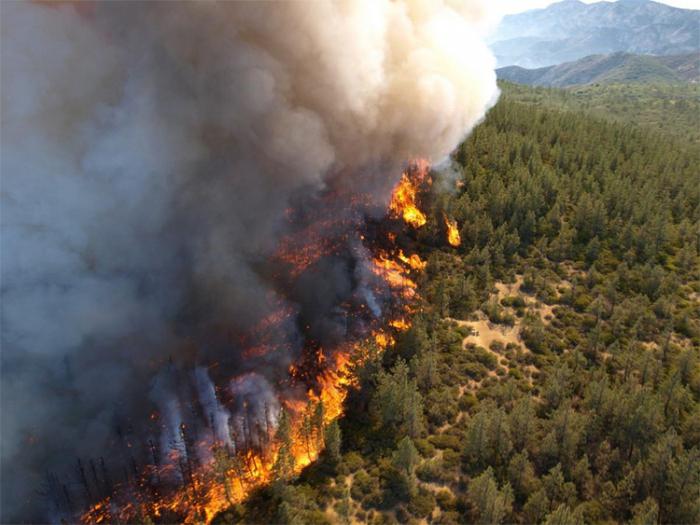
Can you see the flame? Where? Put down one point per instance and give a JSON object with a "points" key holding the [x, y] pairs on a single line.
{"points": [[334, 383], [403, 199], [400, 324], [414, 261], [383, 339], [453, 237], [394, 275], [230, 475]]}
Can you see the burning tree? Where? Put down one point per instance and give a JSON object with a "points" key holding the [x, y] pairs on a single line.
{"points": [[203, 468]]}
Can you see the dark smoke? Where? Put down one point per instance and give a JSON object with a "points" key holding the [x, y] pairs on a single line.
{"points": [[151, 153]]}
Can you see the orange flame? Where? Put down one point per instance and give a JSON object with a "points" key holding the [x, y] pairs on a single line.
{"points": [[383, 339], [453, 237], [403, 199], [414, 261], [394, 275], [400, 324]]}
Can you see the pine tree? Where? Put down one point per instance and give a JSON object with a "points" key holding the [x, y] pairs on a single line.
{"points": [[406, 457], [284, 465], [646, 513], [563, 515], [317, 424], [223, 467], [397, 405], [489, 504], [333, 440]]}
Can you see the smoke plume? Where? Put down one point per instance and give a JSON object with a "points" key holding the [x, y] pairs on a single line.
{"points": [[151, 156]]}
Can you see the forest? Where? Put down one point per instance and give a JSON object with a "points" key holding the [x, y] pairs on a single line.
{"points": [[551, 372], [668, 108]]}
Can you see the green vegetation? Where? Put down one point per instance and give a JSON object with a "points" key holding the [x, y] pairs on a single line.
{"points": [[669, 109], [552, 375], [614, 68]]}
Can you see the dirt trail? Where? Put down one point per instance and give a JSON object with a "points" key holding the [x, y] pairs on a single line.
{"points": [[487, 333]]}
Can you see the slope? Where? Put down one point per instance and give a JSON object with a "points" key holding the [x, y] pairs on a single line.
{"points": [[669, 109], [613, 68], [570, 30], [578, 400]]}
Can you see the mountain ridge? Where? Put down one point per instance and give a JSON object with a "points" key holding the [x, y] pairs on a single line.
{"points": [[617, 67], [569, 30]]}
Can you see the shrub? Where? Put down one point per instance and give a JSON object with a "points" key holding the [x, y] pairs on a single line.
{"points": [[446, 441], [582, 301], [485, 358], [448, 518], [467, 402], [464, 330], [402, 514], [514, 372], [497, 346], [361, 485], [422, 504], [497, 314], [425, 447], [441, 406], [446, 500], [350, 463], [450, 458], [515, 301], [337, 491], [430, 471], [475, 370]]}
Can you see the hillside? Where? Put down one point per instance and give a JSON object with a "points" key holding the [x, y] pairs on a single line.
{"points": [[671, 109], [551, 372], [570, 30], [685, 66], [608, 69]]}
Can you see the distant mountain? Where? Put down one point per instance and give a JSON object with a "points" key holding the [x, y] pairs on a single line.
{"points": [[608, 69], [570, 30]]}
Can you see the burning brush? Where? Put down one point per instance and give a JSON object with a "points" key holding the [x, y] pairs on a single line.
{"points": [[199, 470]]}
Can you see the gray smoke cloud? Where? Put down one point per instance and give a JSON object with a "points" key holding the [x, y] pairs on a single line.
{"points": [[150, 153]]}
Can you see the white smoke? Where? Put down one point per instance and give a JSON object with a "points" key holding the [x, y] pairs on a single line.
{"points": [[218, 415], [257, 406], [149, 151]]}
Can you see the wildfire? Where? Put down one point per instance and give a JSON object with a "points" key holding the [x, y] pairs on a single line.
{"points": [[453, 237], [229, 478], [231, 473], [404, 197]]}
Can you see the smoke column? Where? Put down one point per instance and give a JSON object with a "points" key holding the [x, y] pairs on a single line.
{"points": [[150, 152]]}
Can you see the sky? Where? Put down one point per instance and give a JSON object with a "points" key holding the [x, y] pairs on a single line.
{"points": [[517, 6]]}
